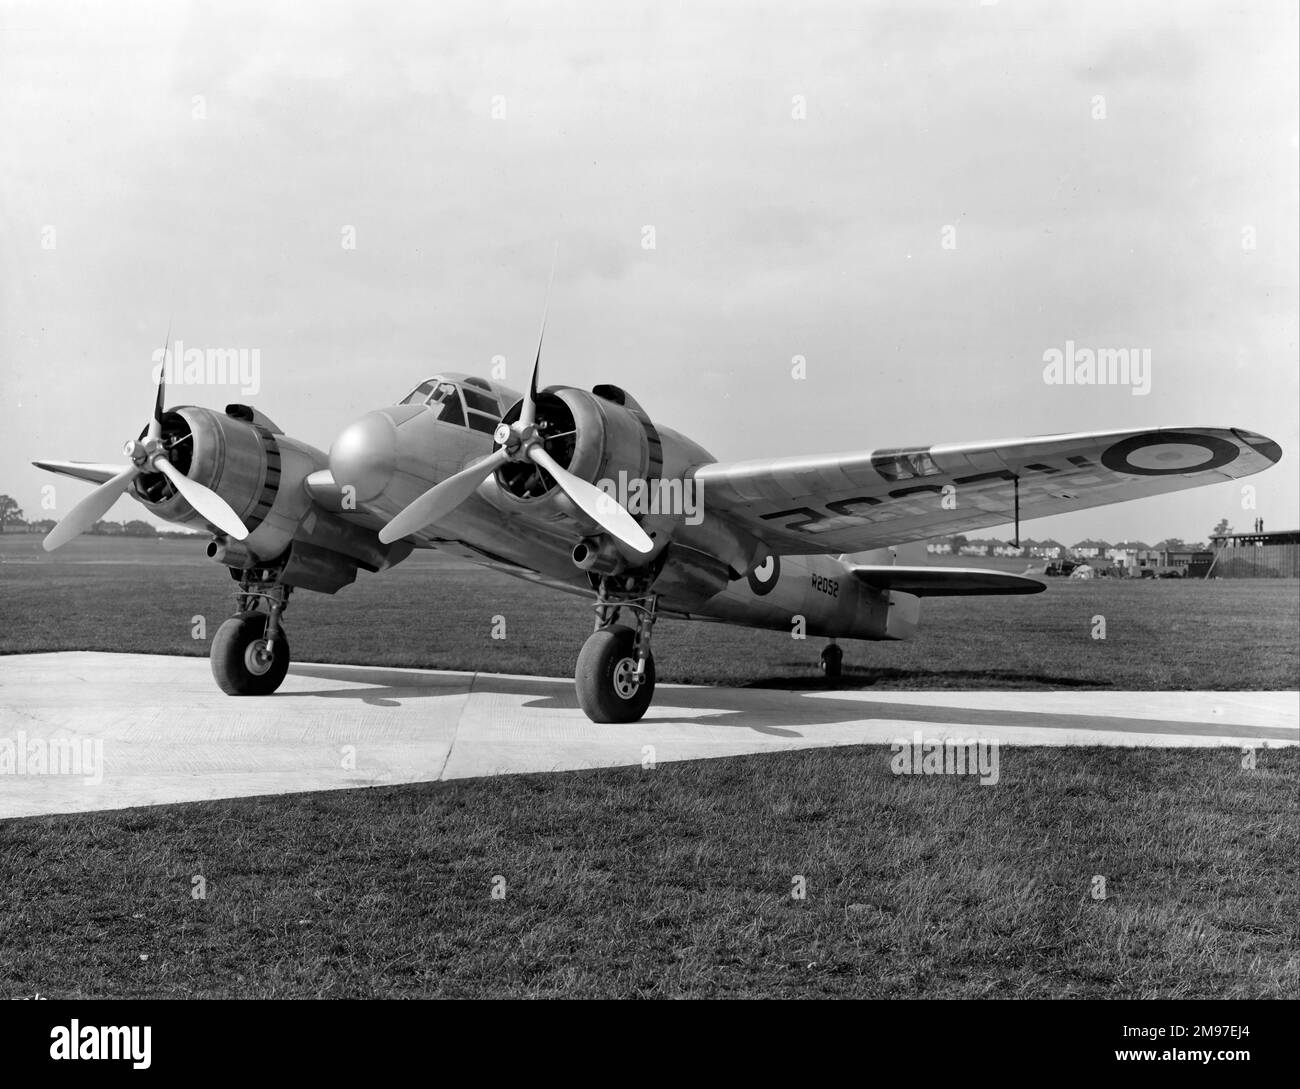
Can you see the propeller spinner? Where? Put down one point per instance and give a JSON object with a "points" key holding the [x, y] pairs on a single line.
{"points": [[147, 455]]}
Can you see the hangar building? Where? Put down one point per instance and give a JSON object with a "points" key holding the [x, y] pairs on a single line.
{"points": [[1256, 555]]}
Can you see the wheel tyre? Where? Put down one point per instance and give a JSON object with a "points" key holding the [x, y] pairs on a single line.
{"points": [[234, 665], [602, 677], [832, 662]]}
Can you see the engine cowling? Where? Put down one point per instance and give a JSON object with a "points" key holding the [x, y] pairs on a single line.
{"points": [[599, 436], [240, 461]]}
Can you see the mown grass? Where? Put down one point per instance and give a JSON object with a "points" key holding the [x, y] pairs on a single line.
{"points": [[429, 612], [677, 881]]}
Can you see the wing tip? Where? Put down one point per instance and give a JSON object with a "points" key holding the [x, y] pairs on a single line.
{"points": [[1261, 444]]}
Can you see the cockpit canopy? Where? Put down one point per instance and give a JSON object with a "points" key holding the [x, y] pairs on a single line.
{"points": [[460, 399]]}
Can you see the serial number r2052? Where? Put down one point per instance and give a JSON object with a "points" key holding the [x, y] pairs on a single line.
{"points": [[826, 585]]}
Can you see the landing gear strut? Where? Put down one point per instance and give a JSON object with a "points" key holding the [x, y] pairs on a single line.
{"points": [[615, 677], [250, 652], [832, 661]]}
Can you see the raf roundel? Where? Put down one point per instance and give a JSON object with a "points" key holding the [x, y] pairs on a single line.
{"points": [[764, 577], [1167, 453]]}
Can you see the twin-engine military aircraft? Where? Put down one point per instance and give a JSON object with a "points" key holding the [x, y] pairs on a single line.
{"points": [[510, 481]]}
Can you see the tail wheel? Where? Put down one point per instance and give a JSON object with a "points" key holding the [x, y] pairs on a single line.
{"points": [[832, 661], [240, 662], [606, 680]]}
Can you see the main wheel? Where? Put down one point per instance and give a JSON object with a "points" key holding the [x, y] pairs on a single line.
{"points": [[832, 661], [239, 660], [608, 690]]}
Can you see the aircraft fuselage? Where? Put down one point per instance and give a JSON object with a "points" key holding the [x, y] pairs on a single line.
{"points": [[711, 569]]}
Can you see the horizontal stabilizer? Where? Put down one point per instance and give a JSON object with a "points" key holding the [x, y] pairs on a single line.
{"points": [[946, 581]]}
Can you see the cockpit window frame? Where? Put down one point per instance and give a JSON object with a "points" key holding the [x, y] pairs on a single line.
{"points": [[478, 400], [423, 391], [452, 403], [470, 407]]}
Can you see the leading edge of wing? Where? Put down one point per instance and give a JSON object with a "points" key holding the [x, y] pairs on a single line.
{"points": [[733, 476], [327, 494]]}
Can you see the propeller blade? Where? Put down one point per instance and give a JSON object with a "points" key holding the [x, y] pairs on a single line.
{"points": [[203, 499], [601, 507], [90, 510], [528, 414], [155, 425], [441, 499]]}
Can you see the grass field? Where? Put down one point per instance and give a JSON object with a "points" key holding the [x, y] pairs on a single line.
{"points": [[432, 612], [677, 881]]}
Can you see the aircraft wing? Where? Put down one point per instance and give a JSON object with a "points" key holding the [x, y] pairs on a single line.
{"points": [[855, 501], [327, 495]]}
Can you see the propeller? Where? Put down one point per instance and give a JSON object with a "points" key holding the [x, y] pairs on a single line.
{"points": [[519, 441], [90, 510], [147, 455], [528, 414], [442, 499], [599, 506]]}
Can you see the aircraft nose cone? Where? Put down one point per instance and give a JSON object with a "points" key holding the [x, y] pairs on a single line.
{"points": [[364, 455]]}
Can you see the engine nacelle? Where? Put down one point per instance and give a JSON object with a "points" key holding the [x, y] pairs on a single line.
{"points": [[240, 461], [594, 436]]}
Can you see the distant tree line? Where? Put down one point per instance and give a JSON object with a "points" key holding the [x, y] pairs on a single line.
{"points": [[12, 521]]}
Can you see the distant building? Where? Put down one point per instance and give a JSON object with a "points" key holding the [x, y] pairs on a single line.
{"points": [[978, 547], [1089, 549], [1044, 550], [1255, 555], [1130, 561], [1189, 562]]}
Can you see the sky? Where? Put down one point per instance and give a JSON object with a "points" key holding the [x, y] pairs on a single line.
{"points": [[917, 199]]}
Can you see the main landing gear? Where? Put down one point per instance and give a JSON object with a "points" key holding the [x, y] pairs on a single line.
{"points": [[832, 661], [250, 652], [615, 677]]}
